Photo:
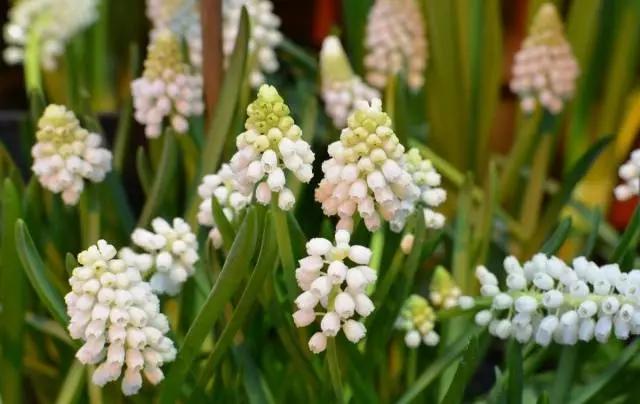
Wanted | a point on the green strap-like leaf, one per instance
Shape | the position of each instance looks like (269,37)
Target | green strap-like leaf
(465,370)
(223,225)
(267,261)
(515,383)
(13,299)
(629,239)
(145,174)
(73,384)
(35,270)
(235,267)
(564,376)
(553,244)
(255,385)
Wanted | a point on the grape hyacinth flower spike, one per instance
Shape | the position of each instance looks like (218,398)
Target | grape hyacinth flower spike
(271,145)
(116,315)
(328,281)
(417,319)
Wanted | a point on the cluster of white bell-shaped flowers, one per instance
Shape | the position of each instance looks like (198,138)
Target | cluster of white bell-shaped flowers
(444,293)
(271,144)
(546,300)
(182,17)
(232,202)
(264,37)
(341,87)
(365,174)
(51,22)
(169,255)
(629,172)
(432,195)
(65,154)
(113,310)
(395,41)
(545,70)
(168,88)
(418,320)
(326,280)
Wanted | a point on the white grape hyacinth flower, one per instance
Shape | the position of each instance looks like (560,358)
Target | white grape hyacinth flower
(168,89)
(118,317)
(395,41)
(341,87)
(51,22)
(271,144)
(337,287)
(169,255)
(432,195)
(220,186)
(264,36)
(417,319)
(365,174)
(545,70)
(629,172)
(65,154)
(547,301)
(182,17)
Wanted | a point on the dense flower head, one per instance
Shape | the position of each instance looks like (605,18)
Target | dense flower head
(364,174)
(428,182)
(182,17)
(220,186)
(328,281)
(65,154)
(52,22)
(341,87)
(169,254)
(168,88)
(443,291)
(546,300)
(396,41)
(545,69)
(271,143)
(117,316)
(264,37)
(629,172)
(418,320)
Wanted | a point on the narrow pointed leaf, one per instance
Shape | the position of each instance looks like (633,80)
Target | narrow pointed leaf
(629,239)
(554,243)
(465,370)
(515,383)
(223,225)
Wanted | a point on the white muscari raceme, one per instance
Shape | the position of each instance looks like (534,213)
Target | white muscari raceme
(338,287)
(395,41)
(169,254)
(168,89)
(220,186)
(341,87)
(545,70)
(50,24)
(264,37)
(629,172)
(271,144)
(117,316)
(428,181)
(182,17)
(417,319)
(365,174)
(547,301)
(65,154)
(443,291)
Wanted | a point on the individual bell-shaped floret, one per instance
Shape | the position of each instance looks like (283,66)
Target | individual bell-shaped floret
(365,174)
(432,195)
(547,301)
(65,154)
(168,88)
(51,22)
(220,186)
(117,316)
(629,172)
(334,276)
(341,87)
(395,41)
(264,37)
(418,320)
(545,70)
(271,145)
(169,255)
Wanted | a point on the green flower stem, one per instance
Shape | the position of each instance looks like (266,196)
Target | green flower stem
(412,366)
(377,248)
(334,370)
(90,215)
(32,73)
(390,97)
(284,248)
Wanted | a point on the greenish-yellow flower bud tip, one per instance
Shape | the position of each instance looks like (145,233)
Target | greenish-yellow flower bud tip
(546,27)
(444,291)
(334,64)
(269,94)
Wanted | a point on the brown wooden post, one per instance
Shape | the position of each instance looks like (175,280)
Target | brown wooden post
(211,15)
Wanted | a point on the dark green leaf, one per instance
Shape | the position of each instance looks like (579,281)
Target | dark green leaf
(223,225)
(594,227)
(544,398)
(515,383)
(465,370)
(553,244)
(629,239)
(145,174)
(70,263)
(564,376)
(254,384)
(36,272)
